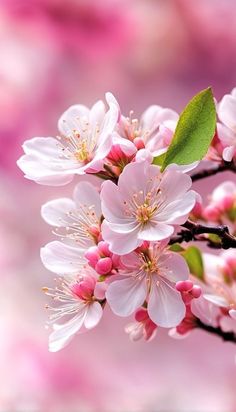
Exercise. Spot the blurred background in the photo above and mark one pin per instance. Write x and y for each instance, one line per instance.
(54, 53)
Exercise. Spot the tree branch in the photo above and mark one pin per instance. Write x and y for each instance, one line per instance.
(226, 336)
(224, 166)
(226, 240)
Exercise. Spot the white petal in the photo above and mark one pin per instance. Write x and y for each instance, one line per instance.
(93, 315)
(228, 153)
(86, 194)
(56, 212)
(227, 111)
(173, 267)
(232, 313)
(126, 295)
(217, 300)
(63, 334)
(62, 259)
(120, 243)
(155, 231)
(69, 121)
(165, 305)
(112, 206)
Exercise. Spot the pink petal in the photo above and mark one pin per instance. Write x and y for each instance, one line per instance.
(216, 300)
(165, 305)
(126, 295)
(173, 267)
(120, 243)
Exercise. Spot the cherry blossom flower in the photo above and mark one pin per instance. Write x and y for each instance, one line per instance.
(227, 127)
(76, 221)
(221, 276)
(222, 206)
(84, 141)
(153, 131)
(77, 304)
(150, 275)
(144, 205)
(143, 327)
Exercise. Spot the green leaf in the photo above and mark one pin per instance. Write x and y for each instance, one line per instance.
(193, 257)
(194, 132)
(176, 247)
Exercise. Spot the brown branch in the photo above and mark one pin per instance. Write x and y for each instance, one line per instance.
(222, 167)
(226, 240)
(226, 336)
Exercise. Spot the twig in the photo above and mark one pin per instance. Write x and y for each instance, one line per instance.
(224, 166)
(226, 336)
(226, 240)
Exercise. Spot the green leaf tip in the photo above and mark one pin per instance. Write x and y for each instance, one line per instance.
(193, 257)
(194, 132)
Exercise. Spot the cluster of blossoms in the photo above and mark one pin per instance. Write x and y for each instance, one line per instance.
(113, 238)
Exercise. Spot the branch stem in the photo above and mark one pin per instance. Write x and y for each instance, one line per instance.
(226, 336)
(226, 240)
(222, 167)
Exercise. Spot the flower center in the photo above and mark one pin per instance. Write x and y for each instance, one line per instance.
(144, 213)
(82, 152)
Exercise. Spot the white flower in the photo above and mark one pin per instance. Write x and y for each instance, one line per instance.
(77, 304)
(84, 142)
(150, 275)
(227, 129)
(144, 205)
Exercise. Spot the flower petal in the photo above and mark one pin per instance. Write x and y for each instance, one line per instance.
(63, 334)
(165, 305)
(62, 259)
(126, 295)
(56, 212)
(93, 315)
(173, 267)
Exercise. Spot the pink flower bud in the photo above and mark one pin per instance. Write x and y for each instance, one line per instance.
(197, 210)
(139, 143)
(104, 248)
(196, 291)
(94, 231)
(184, 286)
(211, 213)
(104, 266)
(84, 290)
(226, 202)
(92, 255)
(141, 315)
(115, 261)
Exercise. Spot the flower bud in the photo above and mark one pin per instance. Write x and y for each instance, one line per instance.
(104, 266)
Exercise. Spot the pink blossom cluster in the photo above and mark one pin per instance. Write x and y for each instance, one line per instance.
(112, 242)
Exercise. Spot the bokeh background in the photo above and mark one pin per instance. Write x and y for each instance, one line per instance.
(54, 53)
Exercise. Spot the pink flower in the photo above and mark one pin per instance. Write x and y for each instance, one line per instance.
(78, 303)
(153, 131)
(78, 220)
(222, 207)
(221, 276)
(144, 206)
(150, 275)
(227, 127)
(143, 327)
(84, 142)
